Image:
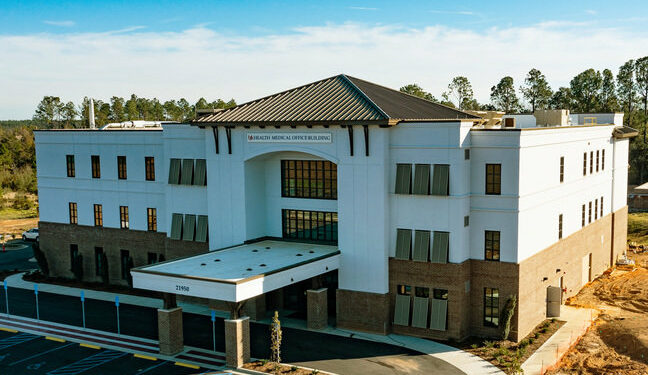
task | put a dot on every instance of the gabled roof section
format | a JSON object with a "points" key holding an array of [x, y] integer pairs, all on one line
{"points": [[338, 100]]}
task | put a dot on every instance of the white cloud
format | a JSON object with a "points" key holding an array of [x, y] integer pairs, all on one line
{"points": [[61, 23], [362, 8], [459, 12], [591, 11], [201, 62]]}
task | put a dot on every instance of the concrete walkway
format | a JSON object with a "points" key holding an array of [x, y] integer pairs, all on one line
{"points": [[463, 361], [577, 321]]}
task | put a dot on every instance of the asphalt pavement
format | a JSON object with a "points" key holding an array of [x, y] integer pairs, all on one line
{"points": [[18, 259]]}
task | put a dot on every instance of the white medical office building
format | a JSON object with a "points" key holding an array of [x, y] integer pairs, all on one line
{"points": [[392, 213]]}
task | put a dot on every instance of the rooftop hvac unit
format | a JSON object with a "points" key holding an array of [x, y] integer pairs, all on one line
{"points": [[509, 122]]}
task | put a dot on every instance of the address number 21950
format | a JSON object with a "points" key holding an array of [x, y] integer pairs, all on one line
{"points": [[182, 288]]}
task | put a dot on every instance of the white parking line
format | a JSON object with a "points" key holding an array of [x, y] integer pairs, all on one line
{"points": [[152, 367], [41, 353]]}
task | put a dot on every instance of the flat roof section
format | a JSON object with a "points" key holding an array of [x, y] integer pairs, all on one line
{"points": [[241, 272]]}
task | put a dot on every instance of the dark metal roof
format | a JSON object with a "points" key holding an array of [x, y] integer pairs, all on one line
{"points": [[338, 100], [624, 132]]}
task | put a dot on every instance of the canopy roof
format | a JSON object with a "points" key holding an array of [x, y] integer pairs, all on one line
{"points": [[338, 100], [239, 273]]}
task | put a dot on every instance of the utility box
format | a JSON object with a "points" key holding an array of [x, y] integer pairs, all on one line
{"points": [[551, 117]]}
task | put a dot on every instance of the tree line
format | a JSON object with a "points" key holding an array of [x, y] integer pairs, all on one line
{"points": [[54, 112], [589, 91]]}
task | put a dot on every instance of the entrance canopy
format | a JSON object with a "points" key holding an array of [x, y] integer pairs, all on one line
{"points": [[238, 273]]}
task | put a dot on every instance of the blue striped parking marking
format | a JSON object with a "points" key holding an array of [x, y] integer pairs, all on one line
{"points": [[15, 340], [40, 354], [87, 363]]}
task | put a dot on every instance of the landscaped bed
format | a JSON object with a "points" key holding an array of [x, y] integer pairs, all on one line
{"points": [[508, 355], [273, 368]]}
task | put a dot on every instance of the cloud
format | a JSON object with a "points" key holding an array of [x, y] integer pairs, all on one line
{"points": [[362, 8], [591, 11], [459, 12], [200, 62], [61, 23]]}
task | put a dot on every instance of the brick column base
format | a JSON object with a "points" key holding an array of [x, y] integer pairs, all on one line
{"points": [[317, 308], [170, 331], [237, 341]]}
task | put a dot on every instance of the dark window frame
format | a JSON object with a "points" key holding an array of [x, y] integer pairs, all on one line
{"points": [[98, 252], [151, 219], [494, 186], [467, 154], [122, 171], [492, 243], [95, 160], [596, 209], [70, 165], [583, 217], [491, 301], [560, 226], [597, 160], [123, 217], [404, 290], [562, 169], [74, 213], [601, 215], [74, 252], [124, 256], [585, 164], [591, 162], [309, 179], [149, 168], [98, 215], [603, 159], [302, 224], [589, 217]]}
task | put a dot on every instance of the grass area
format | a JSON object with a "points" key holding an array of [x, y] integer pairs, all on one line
{"points": [[638, 228], [9, 213]]}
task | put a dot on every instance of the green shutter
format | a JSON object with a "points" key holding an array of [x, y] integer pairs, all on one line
{"points": [[421, 245], [201, 172], [174, 171], [440, 180], [189, 228], [438, 315], [402, 310], [422, 179], [403, 243], [420, 313], [187, 171], [440, 247], [403, 178], [201, 230], [176, 226]]}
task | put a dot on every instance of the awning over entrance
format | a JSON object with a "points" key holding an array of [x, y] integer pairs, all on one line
{"points": [[239, 273]]}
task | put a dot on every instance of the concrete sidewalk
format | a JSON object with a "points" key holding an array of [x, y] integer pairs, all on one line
{"points": [[577, 321], [464, 361]]}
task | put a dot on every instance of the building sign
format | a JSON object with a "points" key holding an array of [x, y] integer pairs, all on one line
{"points": [[289, 138]]}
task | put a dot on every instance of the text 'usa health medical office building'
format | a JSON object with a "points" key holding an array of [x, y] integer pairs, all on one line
{"points": [[396, 214]]}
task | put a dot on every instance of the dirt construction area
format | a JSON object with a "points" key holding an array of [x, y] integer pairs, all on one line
{"points": [[617, 343]]}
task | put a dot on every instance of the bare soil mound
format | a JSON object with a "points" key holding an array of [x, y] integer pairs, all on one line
{"points": [[627, 335], [628, 291]]}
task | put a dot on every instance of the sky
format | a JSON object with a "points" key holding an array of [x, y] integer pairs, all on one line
{"points": [[249, 49]]}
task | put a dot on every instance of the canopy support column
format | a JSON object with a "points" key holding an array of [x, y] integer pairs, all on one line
{"points": [[317, 308]]}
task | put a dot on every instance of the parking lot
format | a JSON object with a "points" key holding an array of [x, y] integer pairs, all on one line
{"points": [[24, 353]]}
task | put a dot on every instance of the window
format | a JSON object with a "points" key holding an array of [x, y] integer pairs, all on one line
{"points": [[440, 294], [403, 243], [441, 180], [69, 160], [421, 245], [403, 290], [562, 169], [187, 172], [491, 307], [601, 207], [315, 179], [202, 234], [440, 247], [403, 179], [96, 166], [73, 213], [492, 245], [560, 221], [98, 215], [597, 160], [123, 217], [174, 171], [189, 227], [149, 164], [421, 179], [603, 159], [310, 225], [151, 214], [583, 218], [467, 154], [591, 162], [176, 227], [493, 179], [121, 167], [125, 264], [585, 164], [595, 209], [151, 258], [74, 253], [589, 220], [422, 292], [200, 177], [98, 259], [466, 221]]}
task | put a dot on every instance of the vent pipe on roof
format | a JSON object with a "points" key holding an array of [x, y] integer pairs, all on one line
{"points": [[91, 115]]}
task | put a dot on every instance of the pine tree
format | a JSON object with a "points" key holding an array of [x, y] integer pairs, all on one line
{"points": [[503, 96], [536, 90]]}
